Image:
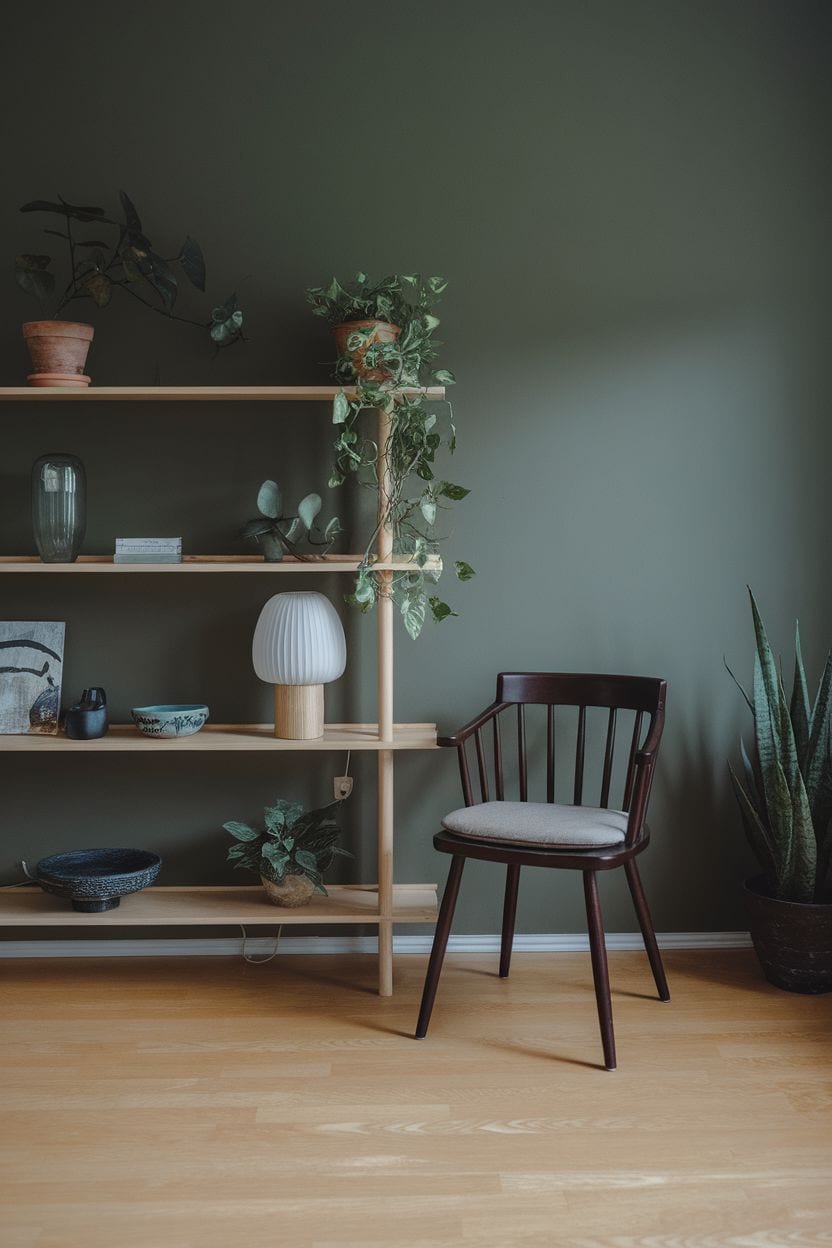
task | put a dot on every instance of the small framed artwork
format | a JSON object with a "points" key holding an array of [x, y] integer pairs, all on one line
{"points": [[31, 668]]}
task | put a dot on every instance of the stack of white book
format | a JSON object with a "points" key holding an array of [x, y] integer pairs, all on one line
{"points": [[148, 550]]}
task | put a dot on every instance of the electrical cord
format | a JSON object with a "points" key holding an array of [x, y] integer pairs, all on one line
{"points": [[30, 879], [259, 961], [246, 956]]}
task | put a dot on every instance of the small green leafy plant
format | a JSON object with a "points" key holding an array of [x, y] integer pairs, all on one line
{"points": [[292, 843], [785, 799], [288, 531], [123, 260], [411, 496]]}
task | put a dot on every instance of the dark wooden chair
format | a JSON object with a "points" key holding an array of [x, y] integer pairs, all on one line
{"points": [[576, 837]]}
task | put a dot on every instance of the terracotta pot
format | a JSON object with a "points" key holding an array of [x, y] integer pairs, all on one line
{"points": [[59, 352], [367, 332], [792, 939], [293, 890]]}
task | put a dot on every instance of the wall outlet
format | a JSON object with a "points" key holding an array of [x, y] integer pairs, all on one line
{"points": [[341, 787]]}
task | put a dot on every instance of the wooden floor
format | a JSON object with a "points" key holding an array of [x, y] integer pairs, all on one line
{"points": [[212, 1104]]}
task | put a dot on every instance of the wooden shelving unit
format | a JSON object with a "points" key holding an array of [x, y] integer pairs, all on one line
{"points": [[207, 906], [381, 904], [190, 394], [205, 563], [126, 738]]}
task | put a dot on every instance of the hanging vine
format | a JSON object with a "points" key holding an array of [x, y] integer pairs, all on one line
{"points": [[387, 350]]}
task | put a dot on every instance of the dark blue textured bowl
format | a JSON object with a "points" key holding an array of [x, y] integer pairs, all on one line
{"points": [[96, 879]]}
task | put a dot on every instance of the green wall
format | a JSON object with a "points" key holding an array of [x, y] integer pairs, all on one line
{"points": [[631, 203]]}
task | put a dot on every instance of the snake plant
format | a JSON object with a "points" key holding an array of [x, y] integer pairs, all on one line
{"points": [[785, 798]]}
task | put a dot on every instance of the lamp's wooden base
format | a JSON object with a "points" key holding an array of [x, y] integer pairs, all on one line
{"points": [[298, 712]]}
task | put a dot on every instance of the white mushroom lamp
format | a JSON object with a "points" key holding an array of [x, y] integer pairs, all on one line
{"points": [[299, 647]]}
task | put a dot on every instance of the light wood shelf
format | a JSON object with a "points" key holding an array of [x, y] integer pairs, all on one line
{"points": [[123, 738], [208, 563], [204, 906], [189, 394], [382, 904]]}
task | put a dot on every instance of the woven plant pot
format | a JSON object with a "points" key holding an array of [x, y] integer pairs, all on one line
{"points": [[792, 939], [292, 891]]}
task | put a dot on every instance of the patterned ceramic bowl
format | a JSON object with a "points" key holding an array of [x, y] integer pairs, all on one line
{"points": [[169, 721], [96, 879]]}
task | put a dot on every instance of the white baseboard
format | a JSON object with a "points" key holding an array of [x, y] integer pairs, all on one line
{"points": [[555, 942]]}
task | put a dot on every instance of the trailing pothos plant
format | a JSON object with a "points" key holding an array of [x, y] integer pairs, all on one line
{"points": [[785, 797], [123, 260], [391, 372]]}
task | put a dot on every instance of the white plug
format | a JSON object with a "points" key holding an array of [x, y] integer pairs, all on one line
{"points": [[341, 787]]}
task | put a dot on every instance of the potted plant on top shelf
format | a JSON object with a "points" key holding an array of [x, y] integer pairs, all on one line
{"points": [[125, 260], [384, 333], [785, 801]]}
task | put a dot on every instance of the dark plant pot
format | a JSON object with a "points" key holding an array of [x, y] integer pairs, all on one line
{"points": [[792, 939], [85, 723], [271, 547], [352, 339]]}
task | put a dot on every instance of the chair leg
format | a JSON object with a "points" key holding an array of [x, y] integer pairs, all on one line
{"points": [[440, 944], [646, 925], [600, 973], [509, 915]]}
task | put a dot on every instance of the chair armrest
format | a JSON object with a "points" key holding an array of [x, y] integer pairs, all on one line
{"points": [[645, 761], [459, 739], [648, 751], [462, 734]]}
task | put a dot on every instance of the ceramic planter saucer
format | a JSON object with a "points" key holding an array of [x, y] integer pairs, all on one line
{"points": [[58, 379]]}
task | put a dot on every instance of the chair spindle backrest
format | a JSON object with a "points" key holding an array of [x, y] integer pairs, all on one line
{"points": [[521, 752], [641, 695]]}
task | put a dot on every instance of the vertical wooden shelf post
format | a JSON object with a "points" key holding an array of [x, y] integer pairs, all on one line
{"points": [[385, 719]]}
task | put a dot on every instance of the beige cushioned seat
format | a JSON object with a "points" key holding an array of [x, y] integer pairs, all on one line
{"points": [[539, 823]]}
